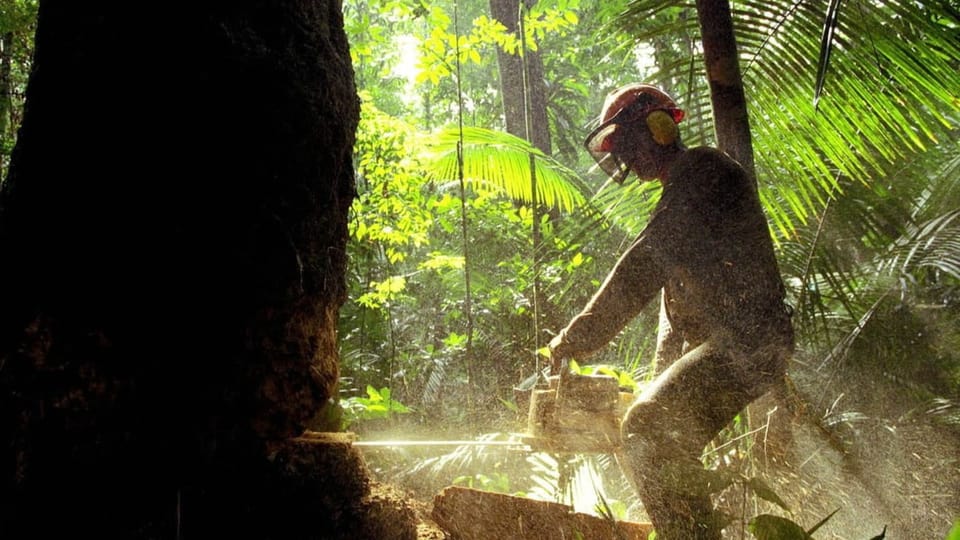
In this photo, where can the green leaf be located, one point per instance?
(607, 370)
(438, 261)
(826, 46)
(770, 527)
(577, 260)
(954, 533)
(502, 161)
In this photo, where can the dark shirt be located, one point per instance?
(708, 246)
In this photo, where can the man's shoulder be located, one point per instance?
(708, 156)
(705, 168)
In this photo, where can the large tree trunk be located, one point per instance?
(172, 230)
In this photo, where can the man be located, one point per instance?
(724, 324)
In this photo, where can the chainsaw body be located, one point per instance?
(576, 413)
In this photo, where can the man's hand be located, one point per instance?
(556, 354)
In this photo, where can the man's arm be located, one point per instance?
(632, 283)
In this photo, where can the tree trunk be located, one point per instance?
(523, 90)
(512, 83)
(173, 233)
(732, 124)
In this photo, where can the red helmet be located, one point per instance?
(639, 99)
(627, 104)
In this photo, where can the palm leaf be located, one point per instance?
(933, 244)
(909, 253)
(502, 161)
(826, 47)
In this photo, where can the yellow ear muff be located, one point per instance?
(662, 127)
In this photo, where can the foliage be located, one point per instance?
(17, 14)
(769, 527)
(496, 482)
(443, 51)
(408, 259)
(624, 378)
(954, 533)
(377, 405)
(501, 161)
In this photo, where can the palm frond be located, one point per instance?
(826, 47)
(933, 244)
(502, 161)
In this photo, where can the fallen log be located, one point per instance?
(471, 514)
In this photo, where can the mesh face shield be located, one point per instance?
(601, 147)
(609, 162)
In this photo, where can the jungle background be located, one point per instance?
(458, 280)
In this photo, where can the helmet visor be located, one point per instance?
(609, 162)
(601, 149)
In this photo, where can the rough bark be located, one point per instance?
(511, 83)
(173, 230)
(731, 122)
